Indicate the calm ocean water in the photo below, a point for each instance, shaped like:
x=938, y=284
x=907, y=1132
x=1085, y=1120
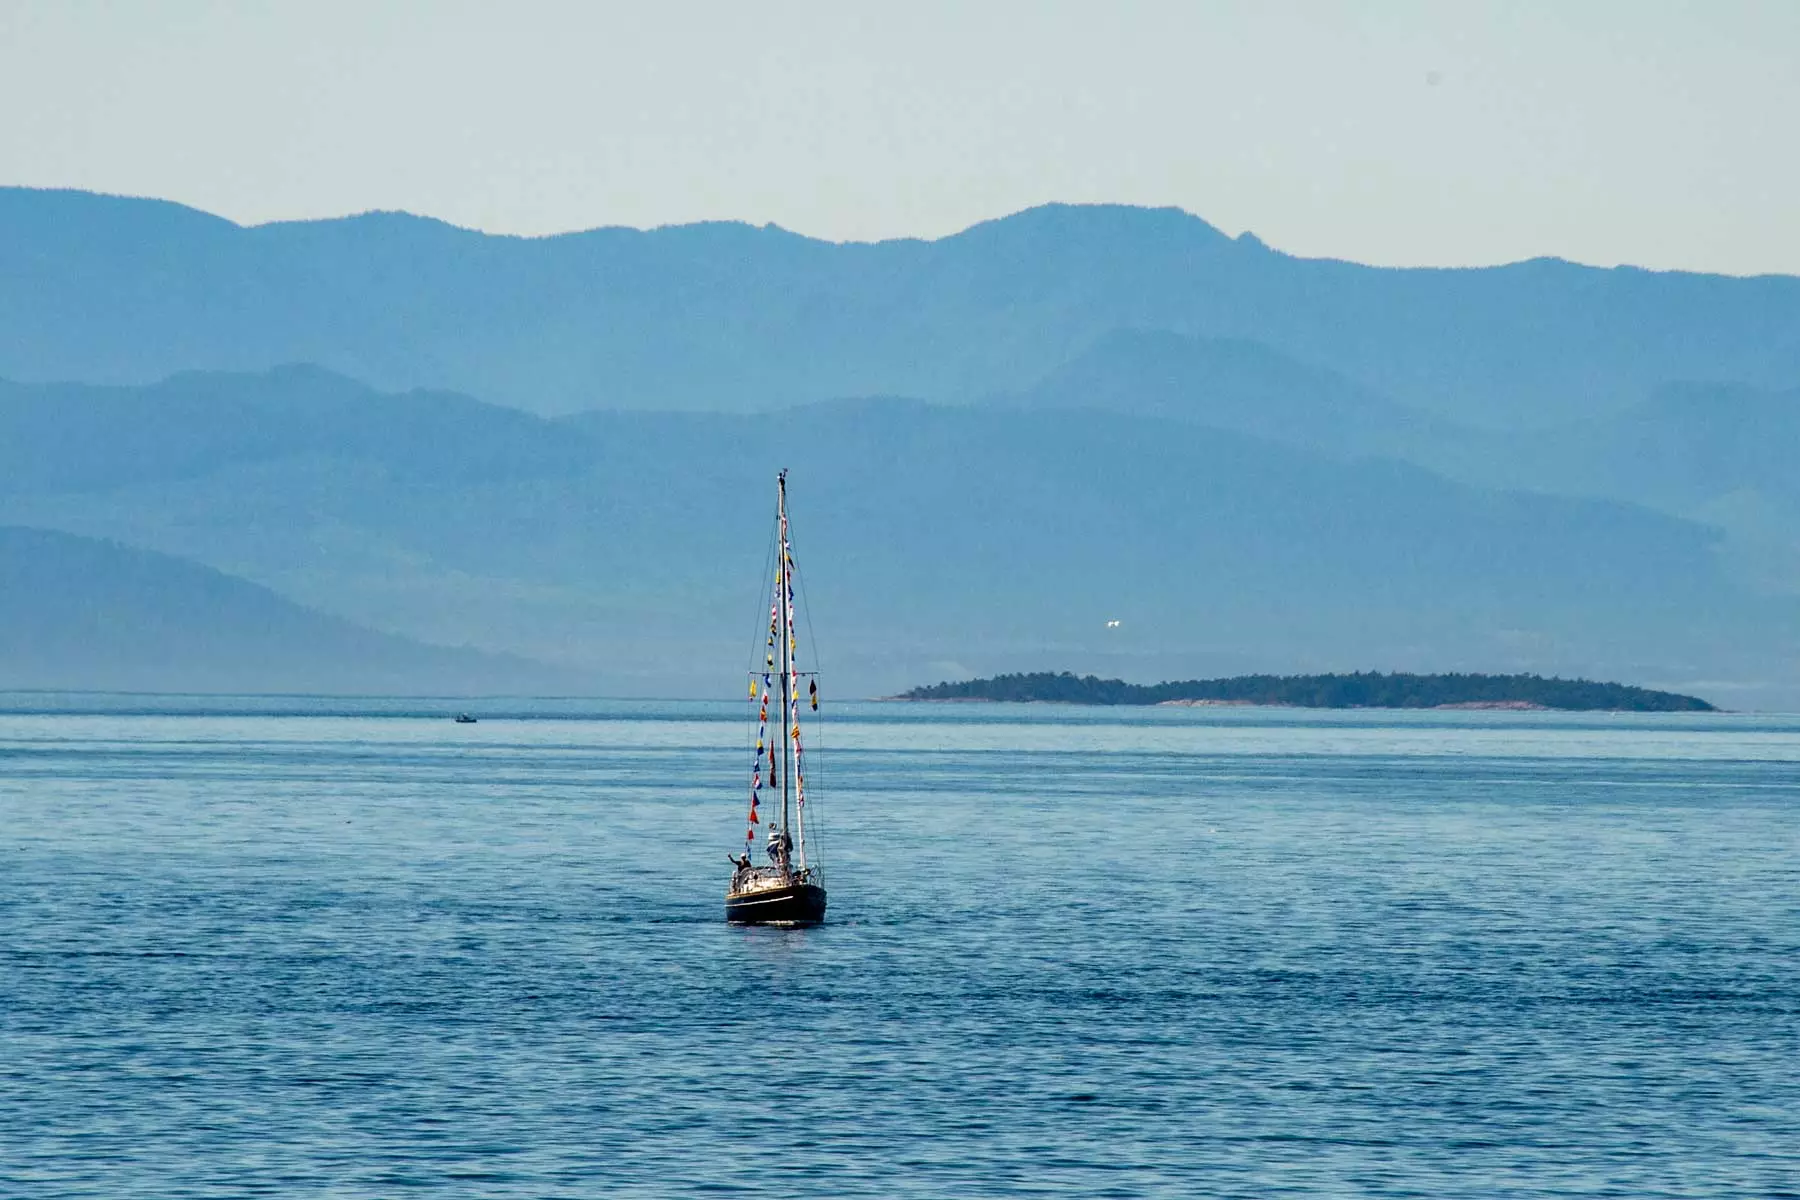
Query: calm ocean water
x=313, y=948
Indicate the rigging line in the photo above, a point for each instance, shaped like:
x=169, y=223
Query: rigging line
x=756, y=655
x=815, y=822
x=806, y=608
x=757, y=651
x=813, y=645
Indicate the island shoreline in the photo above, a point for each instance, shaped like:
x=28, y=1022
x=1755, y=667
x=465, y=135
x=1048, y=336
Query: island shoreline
x=1359, y=690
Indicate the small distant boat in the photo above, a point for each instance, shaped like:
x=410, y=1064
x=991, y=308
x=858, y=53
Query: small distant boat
x=464, y=719
x=786, y=889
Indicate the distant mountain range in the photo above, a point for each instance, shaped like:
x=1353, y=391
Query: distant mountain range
x=1721, y=454
x=1243, y=386
x=1071, y=416
x=731, y=317
x=934, y=540
x=81, y=614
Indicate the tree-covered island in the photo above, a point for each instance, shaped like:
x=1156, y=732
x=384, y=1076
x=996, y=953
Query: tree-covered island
x=1359, y=690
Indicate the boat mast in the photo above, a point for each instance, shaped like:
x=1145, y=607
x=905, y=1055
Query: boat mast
x=784, y=588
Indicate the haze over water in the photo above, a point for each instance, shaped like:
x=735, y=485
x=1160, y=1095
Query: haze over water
x=351, y=949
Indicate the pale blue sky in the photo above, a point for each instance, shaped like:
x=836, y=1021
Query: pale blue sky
x=1654, y=132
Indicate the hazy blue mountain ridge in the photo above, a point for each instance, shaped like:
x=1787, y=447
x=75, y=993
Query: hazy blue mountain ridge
x=732, y=317
x=1718, y=453
x=1254, y=461
x=1688, y=445
x=84, y=614
x=81, y=436
x=628, y=545
x=1243, y=386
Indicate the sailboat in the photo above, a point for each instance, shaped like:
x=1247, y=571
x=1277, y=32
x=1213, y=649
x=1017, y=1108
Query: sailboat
x=786, y=888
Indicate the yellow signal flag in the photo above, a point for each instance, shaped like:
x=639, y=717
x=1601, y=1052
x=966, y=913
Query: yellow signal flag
x=753, y=689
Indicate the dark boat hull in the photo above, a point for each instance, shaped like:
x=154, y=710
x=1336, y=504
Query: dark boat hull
x=791, y=904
